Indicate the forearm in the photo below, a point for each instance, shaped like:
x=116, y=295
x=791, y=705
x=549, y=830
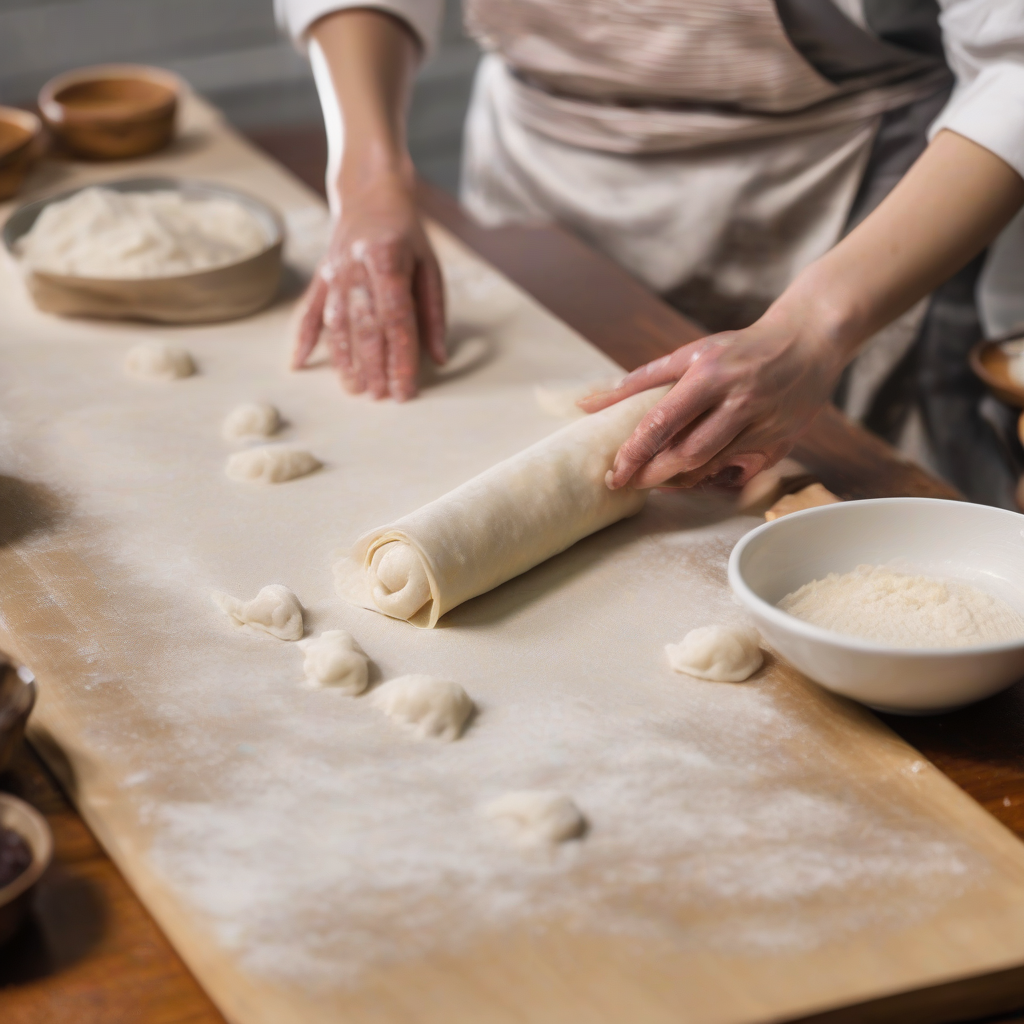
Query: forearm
x=954, y=201
x=371, y=57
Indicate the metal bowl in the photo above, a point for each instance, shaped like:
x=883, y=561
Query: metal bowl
x=221, y=293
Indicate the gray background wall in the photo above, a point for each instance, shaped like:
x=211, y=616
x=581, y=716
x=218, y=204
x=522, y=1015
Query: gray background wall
x=232, y=53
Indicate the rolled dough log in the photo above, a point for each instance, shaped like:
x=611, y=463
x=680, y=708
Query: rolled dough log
x=508, y=519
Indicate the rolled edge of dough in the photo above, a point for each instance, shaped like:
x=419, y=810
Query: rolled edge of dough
x=352, y=577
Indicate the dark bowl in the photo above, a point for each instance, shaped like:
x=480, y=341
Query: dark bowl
x=16, y=898
x=17, y=695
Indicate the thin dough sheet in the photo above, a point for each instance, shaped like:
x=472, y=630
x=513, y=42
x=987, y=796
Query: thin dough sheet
x=503, y=522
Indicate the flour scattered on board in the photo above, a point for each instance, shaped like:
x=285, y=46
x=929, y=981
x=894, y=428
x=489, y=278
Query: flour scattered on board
x=387, y=861
x=297, y=829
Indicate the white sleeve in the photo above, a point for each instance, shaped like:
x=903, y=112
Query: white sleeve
x=984, y=42
x=423, y=16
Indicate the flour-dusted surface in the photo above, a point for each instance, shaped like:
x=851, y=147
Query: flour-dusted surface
x=898, y=609
x=313, y=862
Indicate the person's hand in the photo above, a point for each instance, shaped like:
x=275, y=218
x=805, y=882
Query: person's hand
x=377, y=296
x=740, y=401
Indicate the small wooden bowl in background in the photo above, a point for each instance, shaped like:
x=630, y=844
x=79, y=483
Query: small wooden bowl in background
x=21, y=144
x=220, y=293
x=991, y=365
x=112, y=111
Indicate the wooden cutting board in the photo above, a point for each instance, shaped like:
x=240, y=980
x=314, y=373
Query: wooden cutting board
x=756, y=852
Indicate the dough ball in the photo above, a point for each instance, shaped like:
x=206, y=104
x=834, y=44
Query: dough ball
x=726, y=654
x=153, y=360
x=537, y=817
x=399, y=580
x=335, y=659
x=426, y=706
x=559, y=398
x=274, y=610
x=271, y=464
x=253, y=419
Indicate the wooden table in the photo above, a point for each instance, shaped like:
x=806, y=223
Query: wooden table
x=93, y=955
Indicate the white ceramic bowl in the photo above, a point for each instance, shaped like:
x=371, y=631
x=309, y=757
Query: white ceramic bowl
x=981, y=545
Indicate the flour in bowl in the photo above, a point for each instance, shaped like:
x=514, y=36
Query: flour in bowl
x=102, y=233
x=899, y=610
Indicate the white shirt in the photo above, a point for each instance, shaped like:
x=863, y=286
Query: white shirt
x=984, y=42
x=984, y=45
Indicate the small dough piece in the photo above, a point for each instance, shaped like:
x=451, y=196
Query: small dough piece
x=274, y=610
x=253, y=419
x=426, y=706
x=724, y=654
x=764, y=489
x=537, y=817
x=271, y=464
x=559, y=398
x=154, y=360
x=809, y=497
x=401, y=586
x=334, y=659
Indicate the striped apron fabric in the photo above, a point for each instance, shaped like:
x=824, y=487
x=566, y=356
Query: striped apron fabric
x=714, y=149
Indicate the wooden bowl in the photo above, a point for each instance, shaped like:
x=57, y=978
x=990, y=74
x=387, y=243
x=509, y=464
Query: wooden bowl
x=990, y=363
x=16, y=898
x=21, y=136
x=17, y=696
x=221, y=293
x=112, y=111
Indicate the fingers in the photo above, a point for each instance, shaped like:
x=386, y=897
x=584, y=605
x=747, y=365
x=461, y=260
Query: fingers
x=654, y=374
x=389, y=269
x=731, y=468
x=307, y=332
x=695, y=447
x=365, y=332
x=428, y=290
x=674, y=413
x=338, y=337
